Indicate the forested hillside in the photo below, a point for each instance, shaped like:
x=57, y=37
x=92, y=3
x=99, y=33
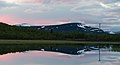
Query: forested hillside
x=18, y=32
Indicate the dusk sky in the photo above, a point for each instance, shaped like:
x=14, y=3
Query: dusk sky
x=47, y=12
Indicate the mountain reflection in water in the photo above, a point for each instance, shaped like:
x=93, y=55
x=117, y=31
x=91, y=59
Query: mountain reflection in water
x=58, y=54
x=73, y=49
x=56, y=58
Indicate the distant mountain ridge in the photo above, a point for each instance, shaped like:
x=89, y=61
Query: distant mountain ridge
x=117, y=32
x=70, y=27
x=67, y=27
x=68, y=31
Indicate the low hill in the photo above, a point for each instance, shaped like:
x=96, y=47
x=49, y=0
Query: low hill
x=16, y=32
x=70, y=27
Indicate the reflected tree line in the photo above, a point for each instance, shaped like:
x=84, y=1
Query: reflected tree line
x=63, y=48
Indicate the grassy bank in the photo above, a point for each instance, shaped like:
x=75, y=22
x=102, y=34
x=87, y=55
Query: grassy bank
x=12, y=46
x=52, y=42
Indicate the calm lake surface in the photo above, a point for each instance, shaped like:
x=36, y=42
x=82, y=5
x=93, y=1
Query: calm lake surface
x=59, y=55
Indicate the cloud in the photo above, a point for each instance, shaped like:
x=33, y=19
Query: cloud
x=114, y=20
x=33, y=64
x=39, y=9
x=91, y=7
x=52, y=11
x=12, y=20
x=111, y=5
x=9, y=19
x=105, y=6
x=21, y=2
x=110, y=1
x=6, y=5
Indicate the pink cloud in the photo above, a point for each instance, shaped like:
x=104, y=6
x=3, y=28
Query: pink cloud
x=12, y=20
x=8, y=19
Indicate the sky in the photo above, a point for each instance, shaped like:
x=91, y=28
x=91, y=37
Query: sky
x=49, y=12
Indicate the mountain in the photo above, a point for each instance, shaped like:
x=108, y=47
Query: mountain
x=24, y=25
x=110, y=32
x=117, y=32
x=70, y=27
x=68, y=31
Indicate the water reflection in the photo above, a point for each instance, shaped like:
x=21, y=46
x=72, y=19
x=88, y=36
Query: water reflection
x=73, y=49
x=56, y=58
x=59, y=54
x=37, y=58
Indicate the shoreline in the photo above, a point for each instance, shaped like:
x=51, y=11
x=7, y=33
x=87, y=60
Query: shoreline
x=53, y=42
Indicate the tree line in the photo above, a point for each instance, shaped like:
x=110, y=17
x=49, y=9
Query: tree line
x=28, y=33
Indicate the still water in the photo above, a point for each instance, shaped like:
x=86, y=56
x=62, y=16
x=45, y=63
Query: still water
x=57, y=56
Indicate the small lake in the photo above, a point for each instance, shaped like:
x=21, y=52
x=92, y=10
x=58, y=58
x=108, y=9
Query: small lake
x=59, y=55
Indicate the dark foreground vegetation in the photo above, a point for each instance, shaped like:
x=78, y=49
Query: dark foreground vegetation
x=28, y=33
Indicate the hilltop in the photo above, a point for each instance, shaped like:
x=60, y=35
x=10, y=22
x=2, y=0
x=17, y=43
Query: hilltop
x=16, y=32
x=70, y=27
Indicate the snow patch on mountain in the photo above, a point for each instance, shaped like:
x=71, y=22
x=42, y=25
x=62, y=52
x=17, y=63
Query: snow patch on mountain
x=24, y=25
x=81, y=26
x=110, y=32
